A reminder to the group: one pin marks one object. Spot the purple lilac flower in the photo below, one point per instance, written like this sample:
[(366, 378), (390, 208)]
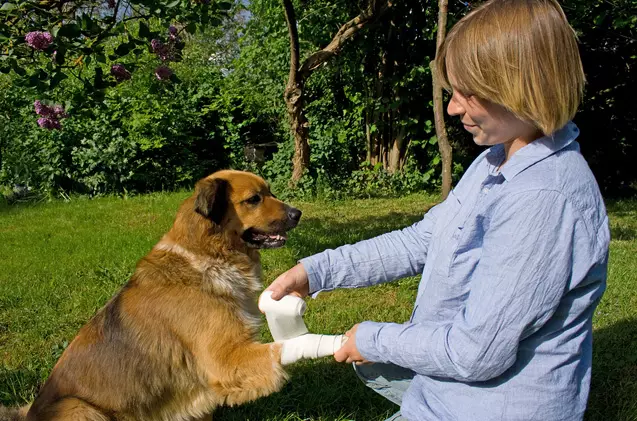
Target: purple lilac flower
[(49, 123), (172, 34), (155, 44), (38, 39), (58, 112), (163, 73), (163, 51), (120, 72), (41, 109), (50, 116)]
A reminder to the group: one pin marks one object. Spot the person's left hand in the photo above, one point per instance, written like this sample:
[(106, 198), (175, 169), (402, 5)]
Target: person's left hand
[(348, 352)]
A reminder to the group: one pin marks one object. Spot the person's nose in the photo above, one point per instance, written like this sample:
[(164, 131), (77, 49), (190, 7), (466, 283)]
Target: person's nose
[(455, 107)]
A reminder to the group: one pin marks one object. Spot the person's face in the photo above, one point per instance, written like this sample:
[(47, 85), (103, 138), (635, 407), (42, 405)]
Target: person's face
[(489, 123)]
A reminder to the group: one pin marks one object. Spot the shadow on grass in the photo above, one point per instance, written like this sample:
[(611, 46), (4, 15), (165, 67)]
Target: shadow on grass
[(317, 234), (623, 233), (322, 389), (613, 393)]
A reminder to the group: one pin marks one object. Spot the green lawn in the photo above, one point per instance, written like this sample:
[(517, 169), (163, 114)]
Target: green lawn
[(60, 262)]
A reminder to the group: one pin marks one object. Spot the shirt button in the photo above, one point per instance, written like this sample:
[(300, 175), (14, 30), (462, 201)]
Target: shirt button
[(485, 190)]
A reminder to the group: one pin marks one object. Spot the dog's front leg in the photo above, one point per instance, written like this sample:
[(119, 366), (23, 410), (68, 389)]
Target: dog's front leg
[(254, 371)]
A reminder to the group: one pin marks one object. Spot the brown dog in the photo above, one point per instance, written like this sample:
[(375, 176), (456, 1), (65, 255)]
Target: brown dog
[(179, 339)]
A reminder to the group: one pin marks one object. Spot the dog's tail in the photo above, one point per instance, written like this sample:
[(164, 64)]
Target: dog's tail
[(13, 414)]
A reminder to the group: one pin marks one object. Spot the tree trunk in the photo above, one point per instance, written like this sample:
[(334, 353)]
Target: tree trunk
[(298, 75), (293, 95), (396, 155), (441, 130)]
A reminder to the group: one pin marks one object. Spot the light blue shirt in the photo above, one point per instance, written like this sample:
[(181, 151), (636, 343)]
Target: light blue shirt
[(513, 263)]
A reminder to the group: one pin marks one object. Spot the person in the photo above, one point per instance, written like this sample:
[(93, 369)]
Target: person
[(513, 262)]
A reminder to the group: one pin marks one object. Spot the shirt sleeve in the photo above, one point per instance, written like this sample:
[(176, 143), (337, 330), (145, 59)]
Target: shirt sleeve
[(526, 262), (388, 257)]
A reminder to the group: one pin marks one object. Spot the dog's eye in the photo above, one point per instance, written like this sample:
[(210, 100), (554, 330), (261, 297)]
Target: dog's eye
[(254, 199)]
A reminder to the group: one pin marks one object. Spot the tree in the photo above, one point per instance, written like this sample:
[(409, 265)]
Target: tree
[(299, 73), (95, 42), (441, 130)]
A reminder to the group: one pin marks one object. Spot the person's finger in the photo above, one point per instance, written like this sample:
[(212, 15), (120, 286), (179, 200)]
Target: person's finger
[(340, 355), (278, 291)]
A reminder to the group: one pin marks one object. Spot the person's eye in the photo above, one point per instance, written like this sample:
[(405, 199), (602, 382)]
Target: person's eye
[(254, 199)]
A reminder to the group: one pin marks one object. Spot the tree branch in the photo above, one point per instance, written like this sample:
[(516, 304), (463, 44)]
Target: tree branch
[(374, 10), (290, 18), (446, 152)]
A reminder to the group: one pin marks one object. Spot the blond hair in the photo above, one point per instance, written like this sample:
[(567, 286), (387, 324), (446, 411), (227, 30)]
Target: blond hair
[(521, 54)]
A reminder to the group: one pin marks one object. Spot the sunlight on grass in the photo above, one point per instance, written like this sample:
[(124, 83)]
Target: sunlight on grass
[(60, 262)]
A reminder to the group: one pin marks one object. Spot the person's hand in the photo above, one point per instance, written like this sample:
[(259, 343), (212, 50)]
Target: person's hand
[(348, 352), (294, 282)]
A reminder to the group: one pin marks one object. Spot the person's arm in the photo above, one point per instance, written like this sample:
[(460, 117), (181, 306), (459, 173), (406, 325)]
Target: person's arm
[(516, 287), (388, 257)]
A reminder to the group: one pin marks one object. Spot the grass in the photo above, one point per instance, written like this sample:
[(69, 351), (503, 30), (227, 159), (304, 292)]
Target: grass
[(61, 261)]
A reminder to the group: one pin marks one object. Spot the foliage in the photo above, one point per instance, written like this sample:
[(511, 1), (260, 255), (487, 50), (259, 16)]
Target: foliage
[(47, 42), (226, 94), (144, 135), (608, 117)]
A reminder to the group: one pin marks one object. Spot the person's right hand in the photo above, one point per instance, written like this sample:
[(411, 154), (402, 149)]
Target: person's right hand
[(294, 281)]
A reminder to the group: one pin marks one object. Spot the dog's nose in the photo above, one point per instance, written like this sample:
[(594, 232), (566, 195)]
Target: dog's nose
[(294, 214)]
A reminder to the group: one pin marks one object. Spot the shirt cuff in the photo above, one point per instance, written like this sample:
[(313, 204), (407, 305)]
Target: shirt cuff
[(366, 338), (317, 278)]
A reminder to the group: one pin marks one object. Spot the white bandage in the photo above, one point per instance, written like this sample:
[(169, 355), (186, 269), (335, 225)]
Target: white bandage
[(310, 346), (285, 317), (285, 320)]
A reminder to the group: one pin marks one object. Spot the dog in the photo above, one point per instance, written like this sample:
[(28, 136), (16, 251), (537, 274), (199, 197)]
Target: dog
[(180, 338)]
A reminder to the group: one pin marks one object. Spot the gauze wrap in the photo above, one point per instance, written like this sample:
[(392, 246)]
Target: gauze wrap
[(285, 320)]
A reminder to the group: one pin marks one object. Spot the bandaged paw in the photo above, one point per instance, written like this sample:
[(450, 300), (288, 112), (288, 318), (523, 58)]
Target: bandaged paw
[(285, 317), (285, 320), (310, 346)]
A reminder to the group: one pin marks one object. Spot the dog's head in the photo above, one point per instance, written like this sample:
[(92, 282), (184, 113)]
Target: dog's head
[(241, 204)]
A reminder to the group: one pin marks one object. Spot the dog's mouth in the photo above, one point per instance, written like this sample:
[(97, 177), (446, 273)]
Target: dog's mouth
[(264, 240)]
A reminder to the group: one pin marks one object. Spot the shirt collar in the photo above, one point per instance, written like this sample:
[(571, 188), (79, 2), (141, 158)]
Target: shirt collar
[(532, 153)]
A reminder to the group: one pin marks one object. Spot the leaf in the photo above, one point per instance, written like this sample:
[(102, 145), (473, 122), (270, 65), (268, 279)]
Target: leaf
[(33, 80), (122, 50), (57, 78), (225, 5), (144, 31), (19, 70), (85, 22), (7, 7), (172, 4), (98, 80), (70, 30)]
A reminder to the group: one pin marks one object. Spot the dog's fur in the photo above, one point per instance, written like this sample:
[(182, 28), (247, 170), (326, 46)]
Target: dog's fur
[(179, 339)]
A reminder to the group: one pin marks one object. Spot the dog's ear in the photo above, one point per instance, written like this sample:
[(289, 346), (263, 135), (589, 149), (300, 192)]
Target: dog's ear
[(212, 198)]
